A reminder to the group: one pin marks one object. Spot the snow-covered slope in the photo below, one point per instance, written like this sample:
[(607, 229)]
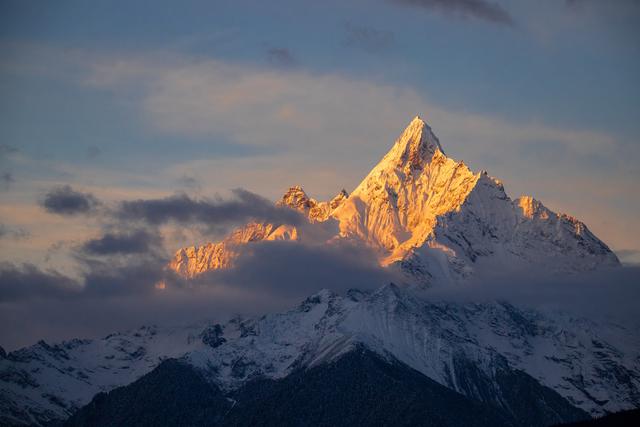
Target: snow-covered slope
[(596, 367), (440, 223), (44, 381), (435, 218), (426, 209), (462, 346)]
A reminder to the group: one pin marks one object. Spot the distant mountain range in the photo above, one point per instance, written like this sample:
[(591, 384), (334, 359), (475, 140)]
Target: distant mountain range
[(393, 356)]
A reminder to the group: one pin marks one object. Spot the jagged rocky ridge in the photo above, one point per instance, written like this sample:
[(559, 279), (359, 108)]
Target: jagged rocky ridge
[(429, 215)]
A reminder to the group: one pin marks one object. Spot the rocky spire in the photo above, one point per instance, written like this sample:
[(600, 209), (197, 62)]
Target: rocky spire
[(414, 148), (296, 198)]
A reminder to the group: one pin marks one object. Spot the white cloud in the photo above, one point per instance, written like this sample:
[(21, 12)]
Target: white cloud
[(327, 119)]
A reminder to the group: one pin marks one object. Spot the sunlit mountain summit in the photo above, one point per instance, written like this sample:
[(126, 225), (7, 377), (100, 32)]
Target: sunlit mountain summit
[(429, 215)]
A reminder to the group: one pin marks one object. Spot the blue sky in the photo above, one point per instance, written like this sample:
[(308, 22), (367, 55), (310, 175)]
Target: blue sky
[(147, 98)]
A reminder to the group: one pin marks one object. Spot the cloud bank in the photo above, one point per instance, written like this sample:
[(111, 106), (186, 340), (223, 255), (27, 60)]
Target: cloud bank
[(132, 242), (602, 294), (120, 274), (123, 290), (181, 208)]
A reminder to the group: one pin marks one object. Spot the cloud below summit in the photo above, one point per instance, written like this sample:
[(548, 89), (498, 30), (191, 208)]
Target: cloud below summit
[(242, 207)]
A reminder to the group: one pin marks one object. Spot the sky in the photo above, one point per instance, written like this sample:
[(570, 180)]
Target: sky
[(106, 101)]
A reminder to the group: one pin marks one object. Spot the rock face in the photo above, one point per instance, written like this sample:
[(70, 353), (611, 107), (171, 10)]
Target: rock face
[(191, 261), (297, 199), (432, 216)]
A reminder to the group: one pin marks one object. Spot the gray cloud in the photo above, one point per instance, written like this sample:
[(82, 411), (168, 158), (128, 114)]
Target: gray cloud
[(290, 269), (281, 56), (478, 9), (242, 207), (93, 152), (128, 242), (121, 292), (133, 276), (190, 182), (629, 256), (606, 293), (104, 278), (574, 3), (271, 276), (59, 320), (368, 39), (6, 150), (28, 281), (213, 214), (17, 233), (123, 266), (7, 179), (67, 201)]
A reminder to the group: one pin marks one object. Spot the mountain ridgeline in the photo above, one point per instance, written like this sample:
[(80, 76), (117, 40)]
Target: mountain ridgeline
[(430, 216), (395, 355)]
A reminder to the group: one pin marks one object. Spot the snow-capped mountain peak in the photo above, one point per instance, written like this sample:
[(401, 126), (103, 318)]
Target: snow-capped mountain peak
[(440, 223), (296, 198), (413, 149), (432, 214)]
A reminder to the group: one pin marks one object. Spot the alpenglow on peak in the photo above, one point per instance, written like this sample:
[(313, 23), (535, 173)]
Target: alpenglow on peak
[(414, 148), (433, 217)]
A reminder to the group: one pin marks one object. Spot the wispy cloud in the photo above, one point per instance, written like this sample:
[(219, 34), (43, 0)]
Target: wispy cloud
[(258, 106), (93, 152), (281, 56), (629, 256), (368, 38), (477, 9), (189, 182), (7, 179), (12, 232), (7, 150)]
